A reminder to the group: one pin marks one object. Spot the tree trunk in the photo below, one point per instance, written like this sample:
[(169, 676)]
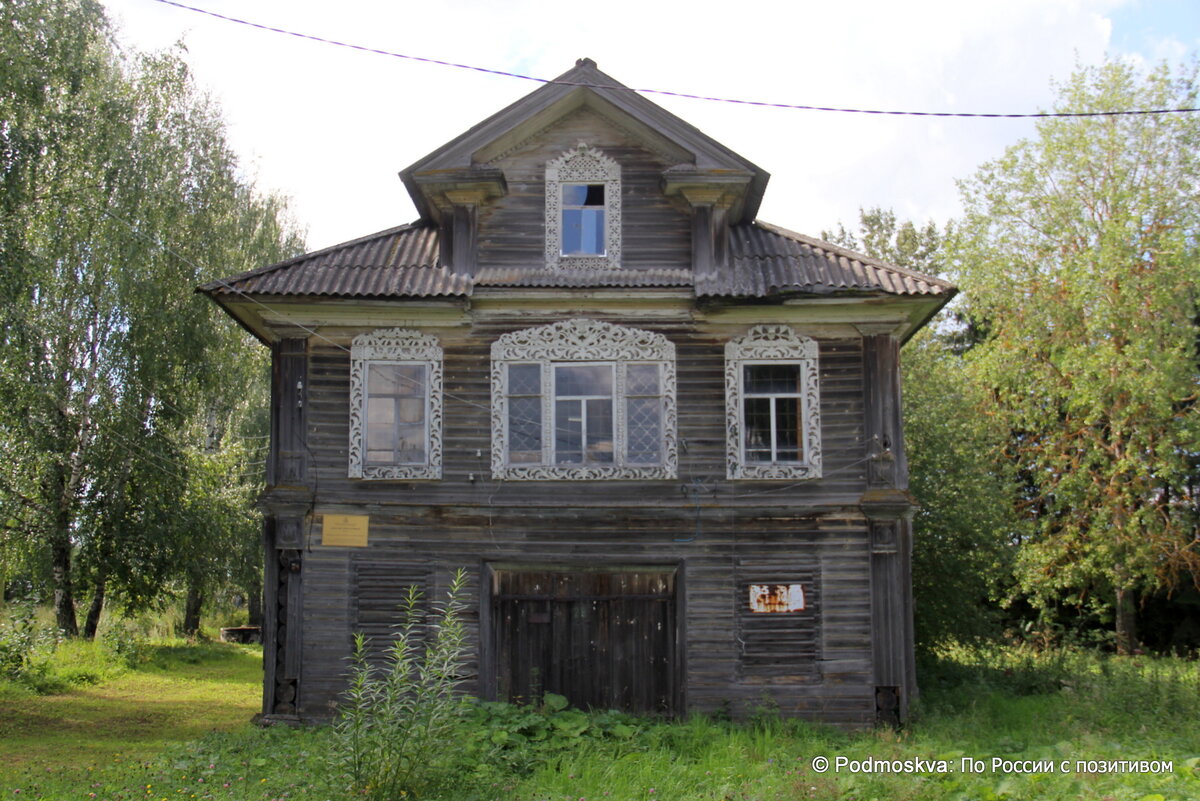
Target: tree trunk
[(191, 608), (57, 488), (1126, 613), (64, 593), (92, 623)]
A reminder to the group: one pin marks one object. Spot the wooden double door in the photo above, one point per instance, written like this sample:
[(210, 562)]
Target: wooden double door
[(604, 638)]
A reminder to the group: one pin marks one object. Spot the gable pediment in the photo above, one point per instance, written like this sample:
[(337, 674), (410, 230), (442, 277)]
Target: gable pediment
[(688, 152)]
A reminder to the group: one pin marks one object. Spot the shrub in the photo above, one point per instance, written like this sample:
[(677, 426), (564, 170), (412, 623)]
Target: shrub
[(124, 644), (25, 647), (397, 730)]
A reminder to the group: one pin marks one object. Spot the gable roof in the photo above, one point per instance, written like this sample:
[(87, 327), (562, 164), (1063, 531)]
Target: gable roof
[(585, 85), (402, 262)]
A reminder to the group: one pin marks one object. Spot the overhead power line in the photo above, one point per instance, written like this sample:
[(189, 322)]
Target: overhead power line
[(668, 93)]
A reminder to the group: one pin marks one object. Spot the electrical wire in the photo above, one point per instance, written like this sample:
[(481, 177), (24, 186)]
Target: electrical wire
[(668, 93)]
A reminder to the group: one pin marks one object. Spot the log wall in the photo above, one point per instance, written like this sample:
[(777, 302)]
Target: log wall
[(718, 535)]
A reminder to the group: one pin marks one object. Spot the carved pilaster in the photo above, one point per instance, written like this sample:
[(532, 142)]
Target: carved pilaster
[(887, 465), (464, 230), (282, 617)]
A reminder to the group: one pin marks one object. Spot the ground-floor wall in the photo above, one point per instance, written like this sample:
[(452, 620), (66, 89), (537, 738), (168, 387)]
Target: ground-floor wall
[(769, 609)]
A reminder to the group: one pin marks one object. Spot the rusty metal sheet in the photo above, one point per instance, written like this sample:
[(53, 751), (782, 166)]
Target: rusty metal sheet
[(774, 598)]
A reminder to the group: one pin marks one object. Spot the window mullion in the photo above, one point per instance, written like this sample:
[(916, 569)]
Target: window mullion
[(396, 450), (549, 418), (619, 403), (774, 430)]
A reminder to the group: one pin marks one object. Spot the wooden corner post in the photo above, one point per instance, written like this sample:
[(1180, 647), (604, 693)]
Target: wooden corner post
[(888, 508), (286, 504)]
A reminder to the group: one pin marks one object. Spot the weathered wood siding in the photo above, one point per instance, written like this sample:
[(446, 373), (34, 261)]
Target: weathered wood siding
[(512, 229), (718, 535)]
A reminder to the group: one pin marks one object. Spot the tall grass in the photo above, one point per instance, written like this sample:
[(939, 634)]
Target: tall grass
[(1014, 703)]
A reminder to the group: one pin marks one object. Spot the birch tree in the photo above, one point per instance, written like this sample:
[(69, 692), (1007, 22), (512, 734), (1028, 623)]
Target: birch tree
[(1079, 250), (119, 195)]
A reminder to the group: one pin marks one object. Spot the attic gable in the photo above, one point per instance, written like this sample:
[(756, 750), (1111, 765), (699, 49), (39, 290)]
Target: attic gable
[(698, 162)]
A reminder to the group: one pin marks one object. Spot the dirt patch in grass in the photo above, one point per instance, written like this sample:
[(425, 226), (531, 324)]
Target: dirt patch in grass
[(133, 716)]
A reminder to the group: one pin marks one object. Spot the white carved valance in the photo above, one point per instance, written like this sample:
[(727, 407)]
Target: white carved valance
[(399, 347), (629, 355), (767, 344), (587, 165)]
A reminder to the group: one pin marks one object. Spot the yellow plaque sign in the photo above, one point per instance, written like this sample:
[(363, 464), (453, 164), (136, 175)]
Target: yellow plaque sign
[(347, 531)]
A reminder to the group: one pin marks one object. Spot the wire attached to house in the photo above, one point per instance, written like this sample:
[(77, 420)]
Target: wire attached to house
[(668, 93)]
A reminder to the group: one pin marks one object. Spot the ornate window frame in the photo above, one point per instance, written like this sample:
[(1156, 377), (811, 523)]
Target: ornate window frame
[(767, 344), (395, 346), (590, 341), (583, 164)]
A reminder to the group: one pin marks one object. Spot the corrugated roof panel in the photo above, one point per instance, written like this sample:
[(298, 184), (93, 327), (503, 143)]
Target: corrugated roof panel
[(534, 277), (399, 262), (766, 259), (403, 262)]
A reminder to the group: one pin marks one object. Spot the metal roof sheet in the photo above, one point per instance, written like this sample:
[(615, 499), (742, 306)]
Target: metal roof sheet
[(541, 277), (403, 262), (766, 260), (398, 262)]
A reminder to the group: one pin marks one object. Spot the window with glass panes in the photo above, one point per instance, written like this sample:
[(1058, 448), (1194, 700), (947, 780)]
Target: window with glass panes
[(583, 220), (395, 405), (772, 405), (771, 430), (583, 211), (397, 398), (604, 418)]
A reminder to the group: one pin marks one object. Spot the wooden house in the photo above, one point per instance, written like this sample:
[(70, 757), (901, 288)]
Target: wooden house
[(664, 439)]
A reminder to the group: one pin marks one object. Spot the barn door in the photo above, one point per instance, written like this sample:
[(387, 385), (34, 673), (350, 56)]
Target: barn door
[(606, 639)]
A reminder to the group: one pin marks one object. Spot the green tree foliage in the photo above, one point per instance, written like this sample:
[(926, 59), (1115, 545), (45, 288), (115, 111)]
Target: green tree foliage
[(963, 527), (118, 195), (1079, 250)]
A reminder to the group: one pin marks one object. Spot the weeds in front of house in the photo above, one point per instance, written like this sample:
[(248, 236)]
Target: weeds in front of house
[(396, 734), (1016, 704)]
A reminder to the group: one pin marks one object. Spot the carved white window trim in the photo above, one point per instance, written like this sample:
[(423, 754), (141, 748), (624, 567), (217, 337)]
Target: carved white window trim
[(766, 344), (395, 346), (583, 164), (575, 341)]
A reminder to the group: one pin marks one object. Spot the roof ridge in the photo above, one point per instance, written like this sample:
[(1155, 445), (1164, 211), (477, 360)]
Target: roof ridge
[(853, 254)]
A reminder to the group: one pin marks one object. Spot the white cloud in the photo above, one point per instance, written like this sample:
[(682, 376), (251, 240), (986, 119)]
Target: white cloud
[(332, 126)]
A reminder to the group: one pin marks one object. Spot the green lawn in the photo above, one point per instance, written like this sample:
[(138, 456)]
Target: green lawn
[(179, 694), (181, 731)]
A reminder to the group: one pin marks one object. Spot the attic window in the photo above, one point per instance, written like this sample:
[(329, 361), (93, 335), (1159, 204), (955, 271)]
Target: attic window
[(583, 211), (582, 220)]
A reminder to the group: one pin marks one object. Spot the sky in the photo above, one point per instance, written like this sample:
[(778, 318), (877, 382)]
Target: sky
[(330, 127)]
